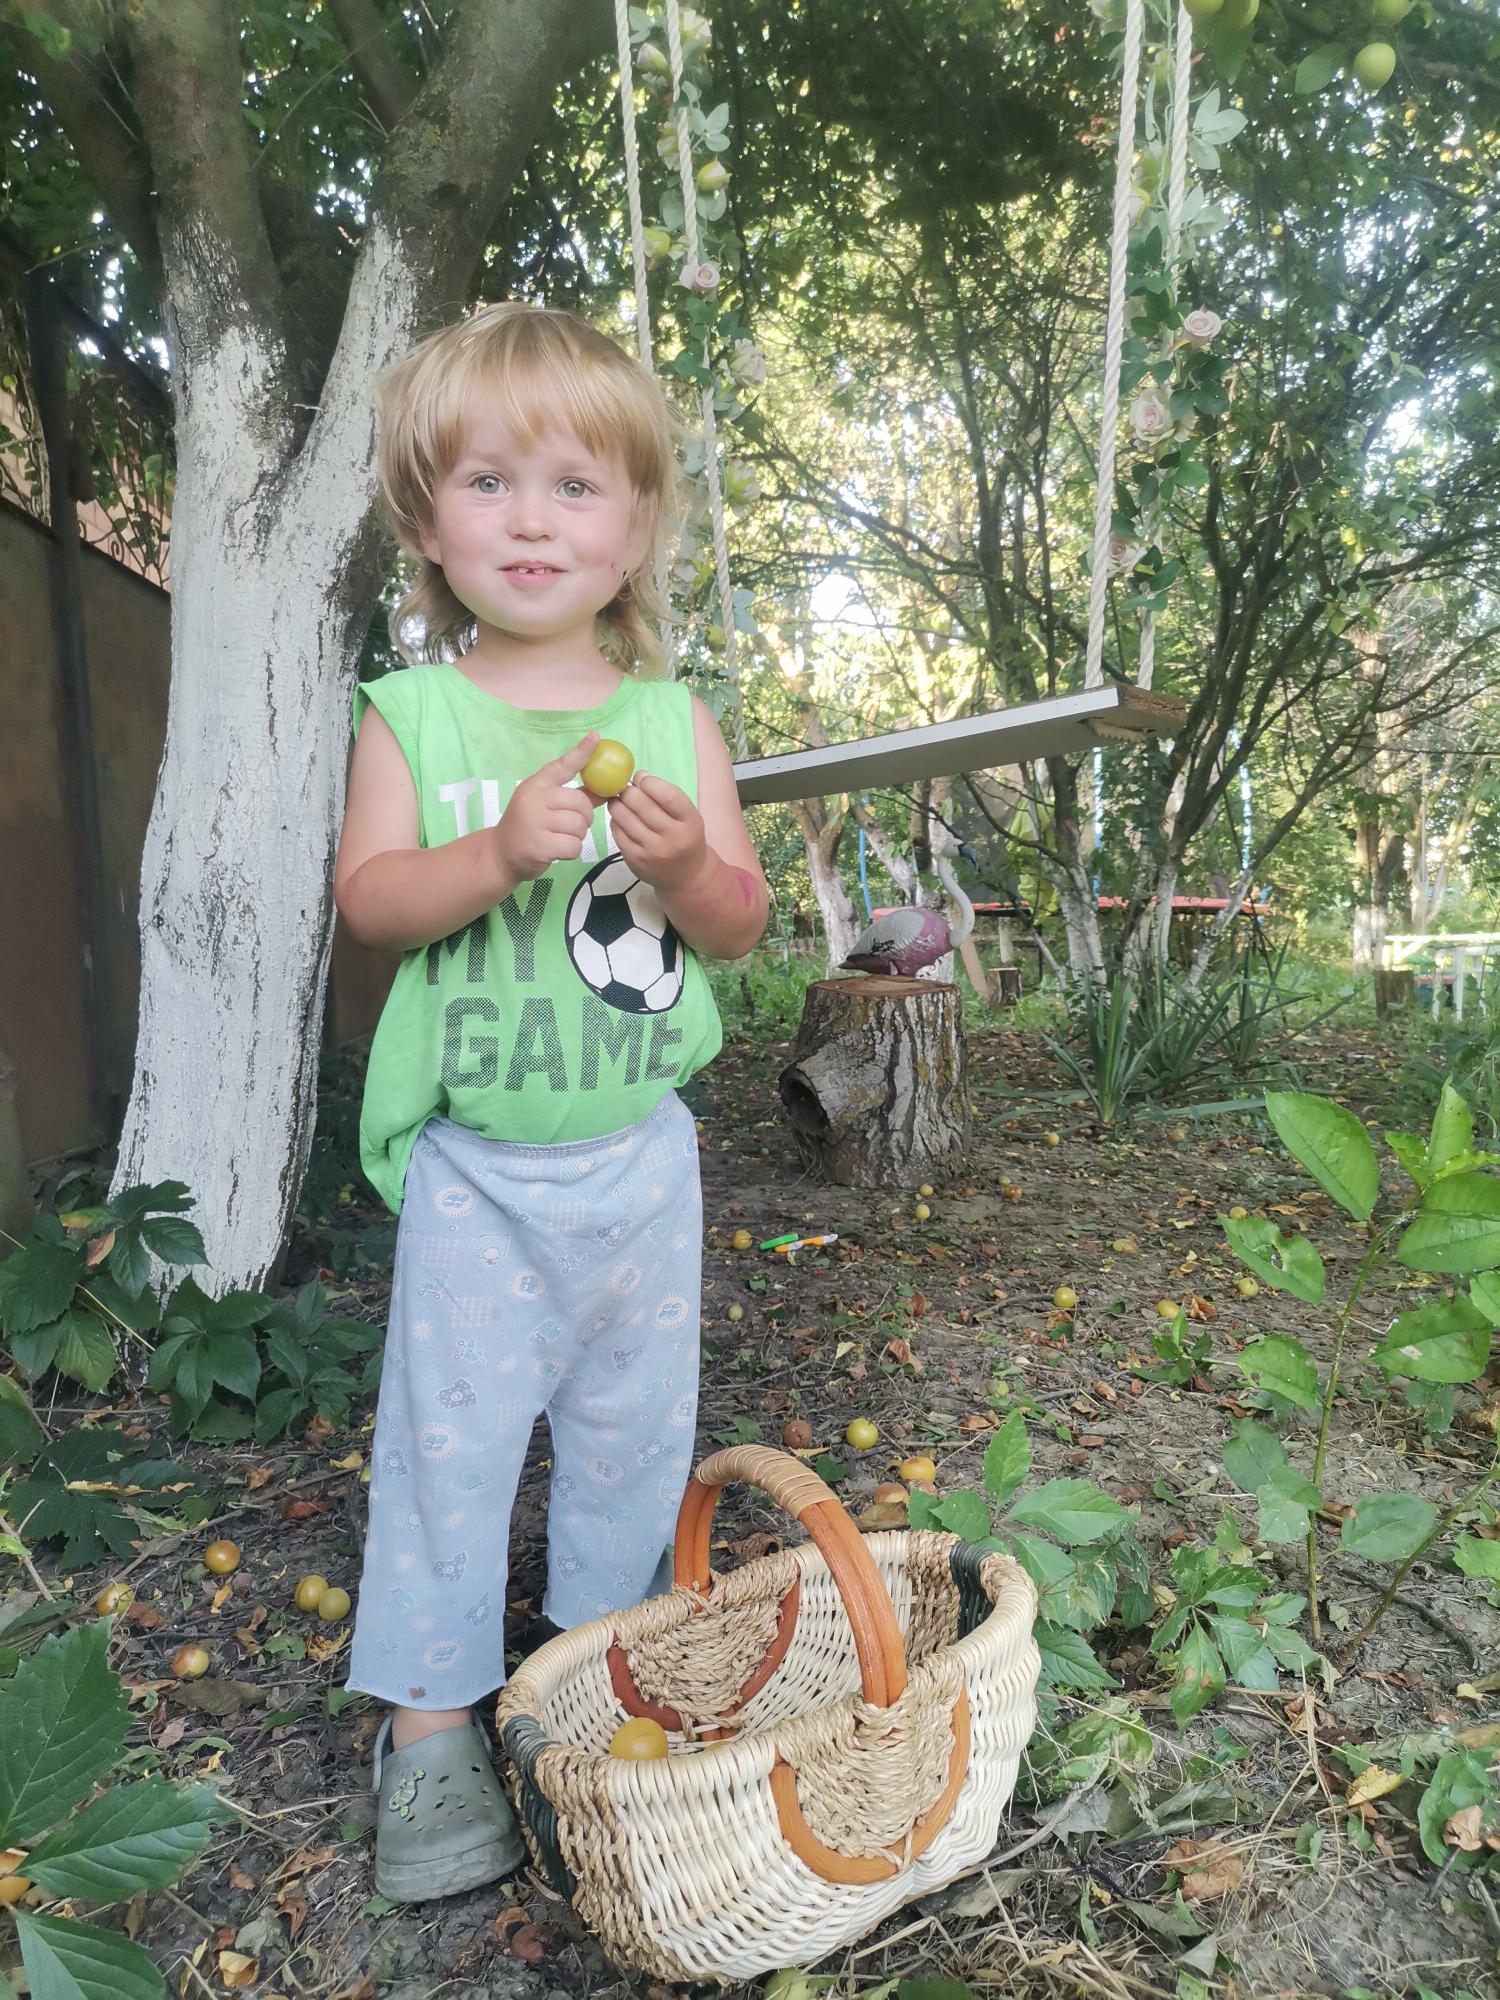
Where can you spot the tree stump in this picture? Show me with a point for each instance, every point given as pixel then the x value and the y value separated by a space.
pixel 877 1088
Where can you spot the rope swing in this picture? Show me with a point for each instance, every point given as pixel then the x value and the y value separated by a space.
pixel 709 421
pixel 1109 420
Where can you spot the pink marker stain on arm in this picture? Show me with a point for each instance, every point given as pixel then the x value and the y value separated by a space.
pixel 749 889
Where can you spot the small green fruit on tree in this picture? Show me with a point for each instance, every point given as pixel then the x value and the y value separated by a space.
pixel 1375 64
pixel 1203 10
pixel 1390 13
pixel 1236 15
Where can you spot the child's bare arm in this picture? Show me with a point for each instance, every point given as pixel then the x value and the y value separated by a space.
pixel 394 894
pixel 700 860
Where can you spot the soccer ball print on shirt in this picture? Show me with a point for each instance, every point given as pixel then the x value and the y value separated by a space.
pixel 621 942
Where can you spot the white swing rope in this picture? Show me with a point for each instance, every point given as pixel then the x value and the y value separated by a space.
pixel 710 424
pixel 1176 195
pixel 633 184
pixel 1104 492
pixel 643 319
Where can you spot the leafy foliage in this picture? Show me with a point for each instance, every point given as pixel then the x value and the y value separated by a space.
pixel 84 1489
pixel 63 1718
pixel 83 1278
pixel 249 1365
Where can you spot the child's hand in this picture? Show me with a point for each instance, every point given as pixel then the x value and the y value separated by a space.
pixel 659 831
pixel 547 818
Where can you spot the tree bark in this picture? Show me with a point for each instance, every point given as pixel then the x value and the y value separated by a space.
pixel 17 1209
pixel 821 837
pixel 877 1088
pixel 1068 871
pixel 1379 856
pixel 276 568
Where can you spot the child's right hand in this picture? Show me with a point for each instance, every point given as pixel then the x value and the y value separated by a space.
pixel 547 818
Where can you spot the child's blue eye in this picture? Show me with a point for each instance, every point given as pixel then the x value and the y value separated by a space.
pixel 487 482
pixel 582 485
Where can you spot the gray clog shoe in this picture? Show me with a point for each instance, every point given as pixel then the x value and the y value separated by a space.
pixel 444 1823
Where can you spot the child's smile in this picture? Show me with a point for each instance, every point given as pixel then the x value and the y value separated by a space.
pixel 535 540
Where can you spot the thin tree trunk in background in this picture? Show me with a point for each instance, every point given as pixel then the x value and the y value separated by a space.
pixel 17 1210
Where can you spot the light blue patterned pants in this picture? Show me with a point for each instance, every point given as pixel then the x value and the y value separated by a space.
pixel 562 1279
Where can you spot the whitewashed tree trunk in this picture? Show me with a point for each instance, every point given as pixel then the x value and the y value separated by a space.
pixel 841 924
pixel 236 896
pixel 276 564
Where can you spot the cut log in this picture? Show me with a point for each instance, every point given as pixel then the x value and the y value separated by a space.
pixel 877 1090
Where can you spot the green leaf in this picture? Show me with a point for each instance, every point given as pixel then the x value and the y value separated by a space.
pixel 37 1284
pixel 62 1724
pixel 1316 71
pixel 87 1523
pixel 1072 1509
pixel 71 1961
pixel 1412 1154
pixel 1459 1779
pixel 85 1352
pixel 1067 1658
pixel 234 1361
pixel 1484 1295
pixel 131 1837
pixel 1252 1455
pixel 175 1240
pixel 1446 1340
pixel 33 1351
pixel 965 1513
pixel 1452 1130
pixel 1248 1661
pixel 1477 1557
pixel 1282 1366
pixel 21 1436
pixel 1200 1675
pixel 128 1263
pixel 1289 1263
pixel 1085 1599
pixel 1388 1527
pixel 51 35
pixel 1044 1562
pixel 1331 1144
pixel 1007 1459
pixel 1285 1502
pixel 1458 1229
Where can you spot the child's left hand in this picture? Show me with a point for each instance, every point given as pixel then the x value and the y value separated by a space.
pixel 659 831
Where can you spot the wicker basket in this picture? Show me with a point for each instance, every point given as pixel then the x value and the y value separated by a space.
pixel 845 1720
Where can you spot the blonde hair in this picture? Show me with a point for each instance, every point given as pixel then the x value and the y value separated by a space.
pixel 546 369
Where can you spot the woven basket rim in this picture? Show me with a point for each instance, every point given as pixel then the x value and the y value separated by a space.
pixel 1007 1630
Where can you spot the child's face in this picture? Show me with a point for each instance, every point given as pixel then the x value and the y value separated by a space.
pixel 533 541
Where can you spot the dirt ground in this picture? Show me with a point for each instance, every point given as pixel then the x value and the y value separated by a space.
pixel 964 1296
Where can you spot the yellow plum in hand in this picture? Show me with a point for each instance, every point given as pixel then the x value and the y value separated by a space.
pixel 609 770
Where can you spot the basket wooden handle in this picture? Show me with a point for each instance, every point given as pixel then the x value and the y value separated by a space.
pixel 797 1488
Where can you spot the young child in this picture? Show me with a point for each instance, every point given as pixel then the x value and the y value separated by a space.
pixel 521 1110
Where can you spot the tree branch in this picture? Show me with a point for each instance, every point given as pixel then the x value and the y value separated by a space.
pixel 98 128
pixel 222 281
pixel 387 83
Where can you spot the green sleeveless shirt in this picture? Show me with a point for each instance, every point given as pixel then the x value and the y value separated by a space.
pixel 573 1007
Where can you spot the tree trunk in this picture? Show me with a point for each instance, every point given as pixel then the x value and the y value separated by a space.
pixel 268 615
pixel 1068 872
pixel 821 838
pixel 276 559
pixel 17 1210
pixel 235 893
pixel 877 1088
pixel 1379 856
